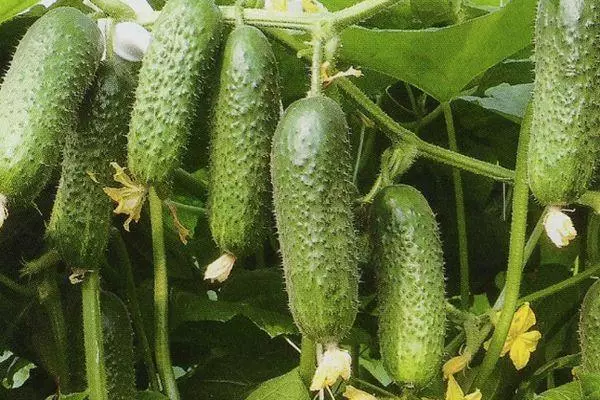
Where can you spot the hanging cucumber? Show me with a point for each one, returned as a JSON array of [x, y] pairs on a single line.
[[565, 129], [411, 285], [81, 216], [313, 197], [245, 116], [53, 66], [118, 348], [172, 78]]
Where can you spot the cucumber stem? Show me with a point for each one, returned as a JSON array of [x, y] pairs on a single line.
[[316, 82], [136, 313], [161, 299], [308, 357], [461, 221], [514, 271], [46, 261], [93, 337], [49, 295], [359, 12]]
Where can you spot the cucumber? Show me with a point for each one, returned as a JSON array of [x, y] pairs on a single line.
[[245, 116], [589, 330], [411, 301], [81, 215], [313, 196], [565, 129], [53, 66], [172, 78], [568, 391], [118, 348]]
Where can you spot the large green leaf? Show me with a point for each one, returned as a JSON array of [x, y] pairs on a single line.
[[443, 61], [569, 391], [10, 8], [285, 387]]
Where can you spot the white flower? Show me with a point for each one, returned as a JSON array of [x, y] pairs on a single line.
[[220, 269], [130, 41], [335, 363], [559, 227]]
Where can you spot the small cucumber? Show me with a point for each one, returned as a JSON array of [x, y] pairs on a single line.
[[172, 78], [313, 195], [53, 66], [565, 130], [81, 216], [118, 348], [411, 301], [589, 330], [245, 116]]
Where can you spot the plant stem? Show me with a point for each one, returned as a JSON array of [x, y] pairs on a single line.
[[49, 295], [315, 68], [557, 287], [161, 299], [359, 153], [398, 133], [125, 265], [368, 385], [16, 287], [46, 261], [308, 356], [515, 256], [461, 221], [273, 19], [359, 12], [92, 337]]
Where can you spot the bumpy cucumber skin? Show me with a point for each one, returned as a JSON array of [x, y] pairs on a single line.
[[411, 285], [53, 66], [565, 131], [172, 77], [589, 330], [118, 348], [313, 197], [568, 391], [81, 215], [245, 117]]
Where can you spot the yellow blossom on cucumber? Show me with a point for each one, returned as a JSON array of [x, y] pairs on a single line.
[[454, 392], [220, 269], [456, 364], [129, 198], [520, 343], [352, 393], [559, 227], [334, 364]]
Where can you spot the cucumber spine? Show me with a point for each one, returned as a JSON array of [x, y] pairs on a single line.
[[411, 285], [311, 170]]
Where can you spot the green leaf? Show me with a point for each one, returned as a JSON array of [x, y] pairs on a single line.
[[10, 8], [569, 391], [443, 61], [285, 387], [590, 386], [147, 395], [507, 100]]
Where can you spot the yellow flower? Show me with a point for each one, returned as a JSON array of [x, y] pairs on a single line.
[[220, 269], [456, 364], [520, 343], [130, 198], [312, 6], [454, 392], [559, 227], [353, 393], [335, 363]]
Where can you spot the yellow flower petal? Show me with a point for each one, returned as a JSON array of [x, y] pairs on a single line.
[[456, 364], [220, 269], [130, 198], [353, 393], [312, 6], [523, 346], [559, 227], [476, 395], [454, 392], [335, 364], [523, 319]]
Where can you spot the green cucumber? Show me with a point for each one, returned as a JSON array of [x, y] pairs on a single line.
[[565, 127], [118, 348], [53, 66], [173, 75], [245, 116], [589, 330], [311, 171], [412, 314], [568, 391], [81, 216]]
